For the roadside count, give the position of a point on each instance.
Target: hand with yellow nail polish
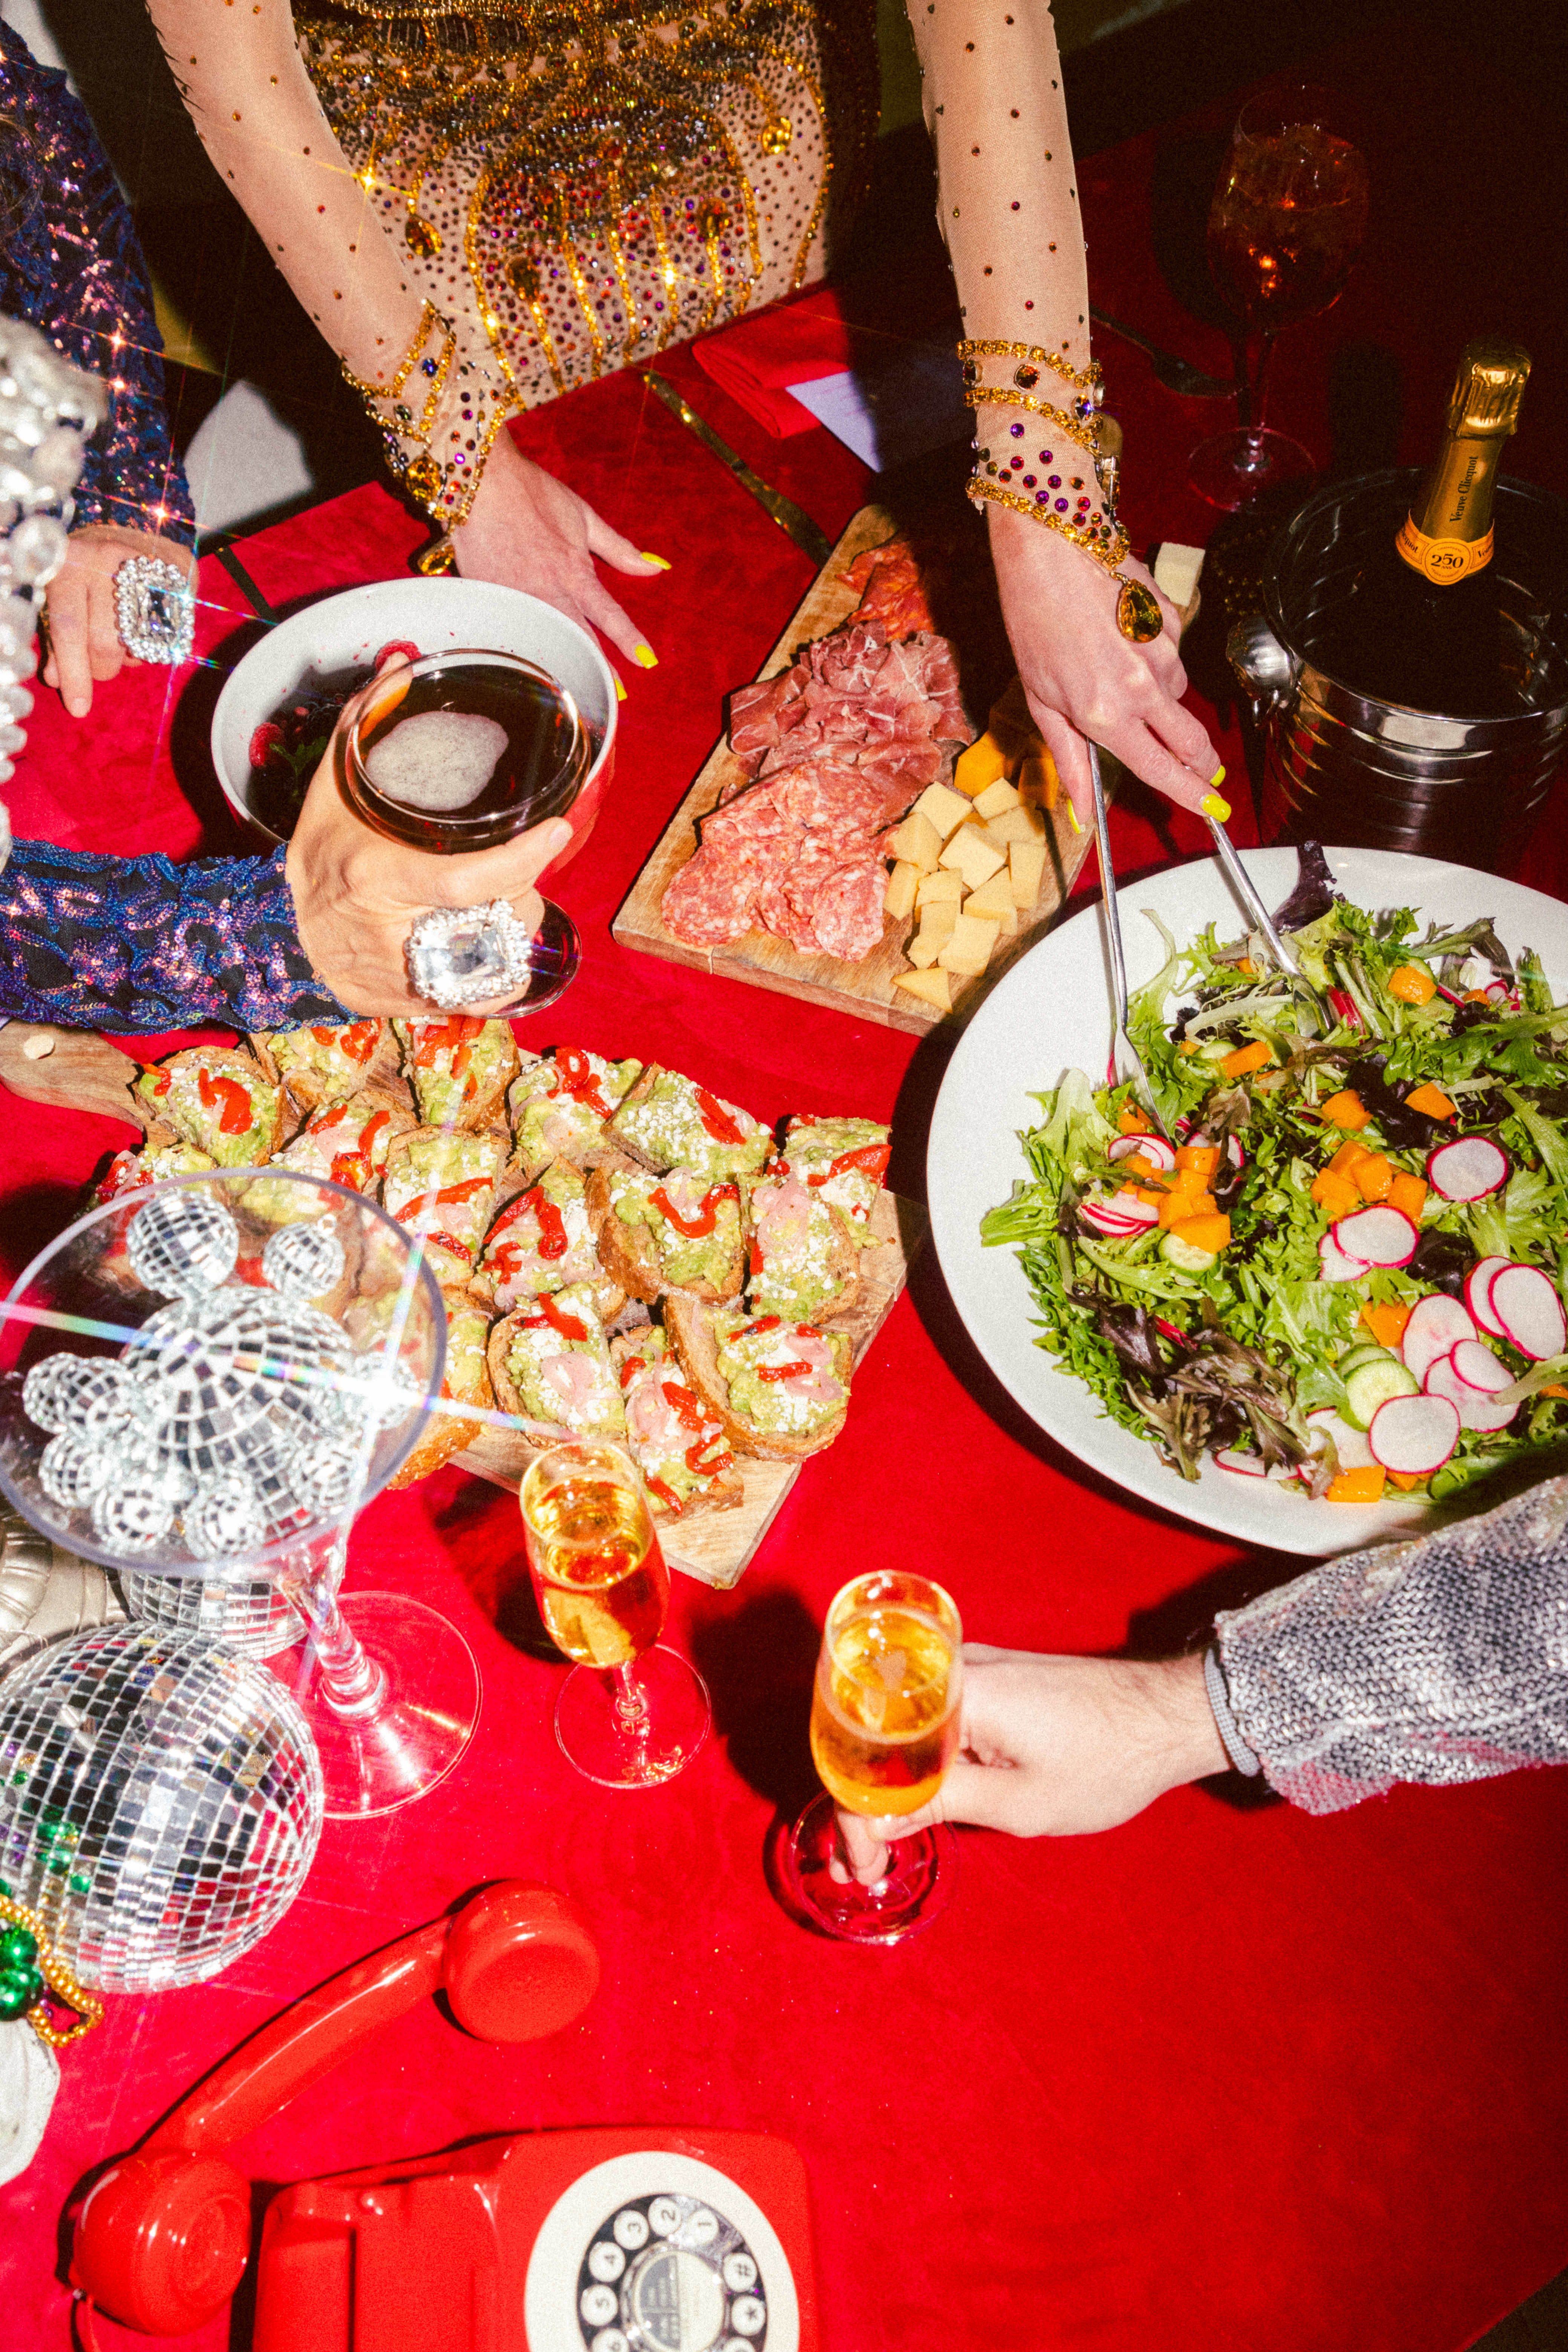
(1084, 679)
(528, 530)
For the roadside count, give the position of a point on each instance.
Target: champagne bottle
(1422, 624)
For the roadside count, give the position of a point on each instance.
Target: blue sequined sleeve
(70, 265)
(139, 944)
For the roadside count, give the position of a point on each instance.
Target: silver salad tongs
(1246, 889)
(1126, 1064)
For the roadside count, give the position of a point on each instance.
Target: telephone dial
(595, 2241)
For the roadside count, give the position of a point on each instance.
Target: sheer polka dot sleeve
(430, 381)
(1007, 186)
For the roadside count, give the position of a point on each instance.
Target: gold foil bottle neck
(1489, 387)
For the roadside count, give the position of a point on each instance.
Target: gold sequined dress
(598, 181)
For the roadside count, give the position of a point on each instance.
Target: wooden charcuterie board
(865, 988)
(70, 1069)
(717, 1546)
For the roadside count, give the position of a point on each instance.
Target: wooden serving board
(717, 1546)
(70, 1069)
(864, 988)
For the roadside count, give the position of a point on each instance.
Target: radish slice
(1377, 1236)
(1436, 1326)
(1478, 1284)
(1137, 1212)
(1350, 1444)
(1477, 1366)
(1245, 1465)
(1099, 1219)
(1414, 1434)
(1333, 1266)
(1529, 1312)
(1152, 1147)
(1476, 1410)
(1234, 1151)
(1467, 1169)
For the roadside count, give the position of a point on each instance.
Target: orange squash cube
(1357, 1486)
(1247, 1059)
(1411, 985)
(1409, 1193)
(1372, 1176)
(1387, 1323)
(1432, 1101)
(1334, 1193)
(1210, 1231)
(1345, 1109)
(1202, 1159)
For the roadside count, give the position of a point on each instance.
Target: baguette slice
(192, 1093)
(649, 1256)
(660, 1436)
(513, 1269)
(440, 1185)
(668, 1121)
(697, 1333)
(459, 1068)
(467, 1382)
(327, 1063)
(522, 1392)
(806, 1263)
(559, 1109)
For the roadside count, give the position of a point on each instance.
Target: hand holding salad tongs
(1246, 889)
(1126, 1064)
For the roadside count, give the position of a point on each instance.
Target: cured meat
(890, 588)
(833, 749)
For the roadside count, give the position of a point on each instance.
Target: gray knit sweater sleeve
(1439, 1659)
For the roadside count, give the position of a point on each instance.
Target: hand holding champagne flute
(631, 1713)
(884, 1729)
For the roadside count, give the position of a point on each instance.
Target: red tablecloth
(1227, 2076)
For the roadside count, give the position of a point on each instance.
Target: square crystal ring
(468, 955)
(154, 610)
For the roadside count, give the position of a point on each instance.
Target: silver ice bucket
(1340, 766)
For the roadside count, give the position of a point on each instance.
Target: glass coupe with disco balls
(206, 1381)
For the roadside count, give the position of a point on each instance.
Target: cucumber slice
(1185, 1256)
(1365, 1352)
(1371, 1385)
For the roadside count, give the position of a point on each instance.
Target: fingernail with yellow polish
(620, 691)
(1214, 806)
(647, 656)
(662, 562)
(1217, 778)
(1072, 818)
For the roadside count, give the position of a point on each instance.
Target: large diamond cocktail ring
(154, 610)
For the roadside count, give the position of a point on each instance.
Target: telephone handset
(600, 2241)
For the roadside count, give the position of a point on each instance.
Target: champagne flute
(884, 1729)
(631, 1713)
(1286, 225)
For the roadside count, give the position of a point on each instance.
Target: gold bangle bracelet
(1138, 614)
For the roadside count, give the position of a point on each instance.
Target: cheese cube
(902, 883)
(917, 842)
(930, 987)
(946, 809)
(943, 884)
(969, 853)
(1177, 570)
(996, 798)
(1015, 824)
(1010, 712)
(983, 764)
(938, 919)
(969, 949)
(1026, 867)
(994, 900)
(1038, 780)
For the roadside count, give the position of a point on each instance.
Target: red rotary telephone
(603, 2240)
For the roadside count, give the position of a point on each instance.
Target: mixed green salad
(1337, 1252)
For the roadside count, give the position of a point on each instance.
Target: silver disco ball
(250, 1617)
(160, 1804)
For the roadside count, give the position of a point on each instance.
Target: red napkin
(821, 334)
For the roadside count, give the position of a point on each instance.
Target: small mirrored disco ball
(182, 1243)
(303, 1262)
(249, 1617)
(160, 1804)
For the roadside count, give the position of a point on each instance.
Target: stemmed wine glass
(208, 1379)
(459, 750)
(1286, 225)
(884, 1729)
(631, 1713)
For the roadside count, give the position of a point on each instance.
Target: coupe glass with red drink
(1286, 225)
(631, 1713)
(458, 751)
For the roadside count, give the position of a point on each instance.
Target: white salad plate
(1051, 1014)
